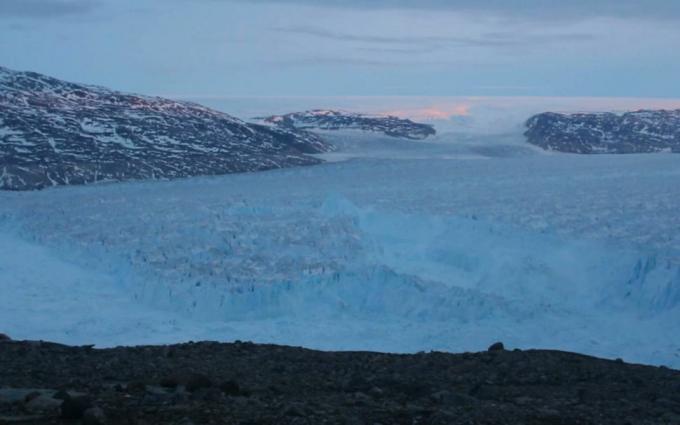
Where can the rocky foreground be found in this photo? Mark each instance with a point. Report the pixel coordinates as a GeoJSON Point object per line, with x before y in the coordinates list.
{"type": "Point", "coordinates": [245, 383]}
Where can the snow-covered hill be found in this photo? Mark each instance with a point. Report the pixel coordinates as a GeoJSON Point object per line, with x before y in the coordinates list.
{"type": "Point", "coordinates": [642, 131]}
{"type": "Point", "coordinates": [54, 132]}
{"type": "Point", "coordinates": [339, 120]}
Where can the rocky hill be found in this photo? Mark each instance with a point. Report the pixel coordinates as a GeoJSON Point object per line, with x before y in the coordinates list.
{"type": "Point", "coordinates": [54, 132]}
{"type": "Point", "coordinates": [633, 132]}
{"type": "Point", "coordinates": [244, 383]}
{"type": "Point", "coordinates": [338, 120]}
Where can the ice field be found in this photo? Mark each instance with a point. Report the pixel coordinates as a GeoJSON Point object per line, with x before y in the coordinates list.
{"type": "Point", "coordinates": [391, 246]}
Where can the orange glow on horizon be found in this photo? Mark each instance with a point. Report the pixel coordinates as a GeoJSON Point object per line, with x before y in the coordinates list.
{"type": "Point", "coordinates": [431, 112]}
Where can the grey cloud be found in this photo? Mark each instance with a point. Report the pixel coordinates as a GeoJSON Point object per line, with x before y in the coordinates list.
{"type": "Point", "coordinates": [361, 61]}
{"type": "Point", "coordinates": [431, 42]}
{"type": "Point", "coordinates": [549, 9]}
{"type": "Point", "coordinates": [44, 8]}
{"type": "Point", "coordinates": [338, 61]}
{"type": "Point", "coordinates": [337, 36]}
{"type": "Point", "coordinates": [397, 50]}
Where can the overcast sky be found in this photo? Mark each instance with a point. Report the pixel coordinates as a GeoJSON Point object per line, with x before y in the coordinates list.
{"type": "Point", "coordinates": [205, 48]}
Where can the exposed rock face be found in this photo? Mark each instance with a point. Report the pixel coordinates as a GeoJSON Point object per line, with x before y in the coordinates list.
{"type": "Point", "coordinates": [267, 384]}
{"type": "Point", "coordinates": [632, 132]}
{"type": "Point", "coordinates": [338, 120]}
{"type": "Point", "coordinates": [54, 132]}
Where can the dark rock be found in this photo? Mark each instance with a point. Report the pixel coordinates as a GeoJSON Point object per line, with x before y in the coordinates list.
{"type": "Point", "coordinates": [75, 407]}
{"type": "Point", "coordinates": [486, 392]}
{"type": "Point", "coordinates": [530, 387]}
{"type": "Point", "coordinates": [582, 395]}
{"type": "Point", "coordinates": [94, 416]}
{"type": "Point", "coordinates": [136, 387]}
{"type": "Point", "coordinates": [4, 337]}
{"type": "Point", "coordinates": [61, 395]}
{"type": "Point", "coordinates": [30, 396]}
{"type": "Point", "coordinates": [441, 418]}
{"type": "Point", "coordinates": [293, 410]}
{"type": "Point", "coordinates": [197, 381]}
{"type": "Point", "coordinates": [356, 383]}
{"type": "Point", "coordinates": [169, 382]}
{"type": "Point", "coordinates": [549, 415]}
{"type": "Point", "coordinates": [360, 399]}
{"type": "Point", "coordinates": [230, 388]}
{"type": "Point", "coordinates": [278, 369]}
{"type": "Point", "coordinates": [376, 392]}
{"type": "Point", "coordinates": [13, 395]}
{"type": "Point", "coordinates": [42, 404]}
{"type": "Point", "coordinates": [460, 399]}
{"type": "Point", "coordinates": [211, 394]}
{"type": "Point", "coordinates": [413, 389]}
{"type": "Point", "coordinates": [179, 397]}
{"type": "Point", "coordinates": [442, 397]}
{"type": "Point", "coordinates": [497, 346]}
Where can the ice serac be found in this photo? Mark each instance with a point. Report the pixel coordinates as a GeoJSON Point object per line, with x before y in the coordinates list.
{"type": "Point", "coordinates": [642, 131]}
{"type": "Point", "coordinates": [54, 132]}
{"type": "Point", "coordinates": [319, 119]}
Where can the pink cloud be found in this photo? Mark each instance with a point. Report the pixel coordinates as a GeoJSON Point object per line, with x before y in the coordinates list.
{"type": "Point", "coordinates": [432, 112]}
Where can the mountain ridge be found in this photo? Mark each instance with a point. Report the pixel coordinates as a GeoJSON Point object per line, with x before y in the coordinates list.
{"type": "Point", "coordinates": [328, 119]}
{"type": "Point", "coordinates": [641, 131]}
{"type": "Point", "coordinates": [54, 132]}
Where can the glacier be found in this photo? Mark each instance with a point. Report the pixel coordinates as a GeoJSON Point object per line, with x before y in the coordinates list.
{"type": "Point", "coordinates": [399, 247]}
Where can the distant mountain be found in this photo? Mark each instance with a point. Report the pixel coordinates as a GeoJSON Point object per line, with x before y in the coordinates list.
{"type": "Point", "coordinates": [339, 120]}
{"type": "Point", "coordinates": [54, 132]}
{"type": "Point", "coordinates": [632, 132]}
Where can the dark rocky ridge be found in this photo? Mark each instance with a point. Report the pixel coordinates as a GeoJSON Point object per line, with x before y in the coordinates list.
{"type": "Point", "coordinates": [338, 120]}
{"type": "Point", "coordinates": [54, 132]}
{"type": "Point", "coordinates": [633, 132]}
{"type": "Point", "coordinates": [244, 383]}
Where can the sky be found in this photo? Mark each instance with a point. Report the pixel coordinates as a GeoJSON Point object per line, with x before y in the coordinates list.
{"type": "Point", "coordinates": [265, 48]}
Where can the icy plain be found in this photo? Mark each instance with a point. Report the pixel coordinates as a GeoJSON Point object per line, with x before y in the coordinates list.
{"type": "Point", "coordinates": [393, 246]}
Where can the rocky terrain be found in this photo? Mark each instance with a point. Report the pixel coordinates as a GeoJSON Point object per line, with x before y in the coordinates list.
{"type": "Point", "coordinates": [339, 120]}
{"type": "Point", "coordinates": [54, 132]}
{"type": "Point", "coordinates": [245, 383]}
{"type": "Point", "coordinates": [632, 132]}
